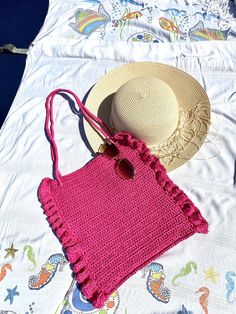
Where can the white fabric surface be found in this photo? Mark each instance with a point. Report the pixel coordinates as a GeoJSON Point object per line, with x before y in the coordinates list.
{"type": "Point", "coordinates": [57, 60]}
{"type": "Point", "coordinates": [175, 20]}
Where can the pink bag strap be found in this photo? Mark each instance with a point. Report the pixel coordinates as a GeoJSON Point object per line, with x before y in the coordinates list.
{"type": "Point", "coordinates": [96, 122]}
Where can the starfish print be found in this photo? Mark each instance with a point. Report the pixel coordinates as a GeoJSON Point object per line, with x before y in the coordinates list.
{"type": "Point", "coordinates": [211, 274]}
{"type": "Point", "coordinates": [11, 294]}
{"type": "Point", "coordinates": [10, 252]}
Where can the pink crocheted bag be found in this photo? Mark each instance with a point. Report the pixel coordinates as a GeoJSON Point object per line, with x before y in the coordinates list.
{"type": "Point", "coordinates": [111, 226]}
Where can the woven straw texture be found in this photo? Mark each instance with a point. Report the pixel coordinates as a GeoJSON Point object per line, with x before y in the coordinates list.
{"type": "Point", "coordinates": [193, 105]}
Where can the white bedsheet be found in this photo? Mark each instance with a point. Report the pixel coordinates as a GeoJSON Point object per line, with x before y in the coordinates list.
{"type": "Point", "coordinates": [206, 262]}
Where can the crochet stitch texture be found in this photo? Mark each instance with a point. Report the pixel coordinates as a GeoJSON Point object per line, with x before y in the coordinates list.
{"type": "Point", "coordinates": [111, 227]}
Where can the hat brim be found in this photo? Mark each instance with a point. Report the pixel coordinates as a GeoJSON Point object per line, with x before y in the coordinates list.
{"type": "Point", "coordinates": [194, 109]}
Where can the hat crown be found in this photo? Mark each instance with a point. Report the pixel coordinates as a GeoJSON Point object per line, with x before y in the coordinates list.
{"type": "Point", "coordinates": [147, 107]}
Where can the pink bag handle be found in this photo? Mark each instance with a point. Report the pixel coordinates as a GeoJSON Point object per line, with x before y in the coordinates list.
{"type": "Point", "coordinates": [49, 123]}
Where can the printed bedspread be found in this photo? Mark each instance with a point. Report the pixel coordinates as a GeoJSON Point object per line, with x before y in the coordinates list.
{"type": "Point", "coordinates": [80, 42]}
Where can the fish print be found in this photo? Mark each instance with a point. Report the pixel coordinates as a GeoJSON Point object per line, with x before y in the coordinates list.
{"type": "Point", "coordinates": [3, 271]}
{"type": "Point", "coordinates": [87, 21]}
{"type": "Point", "coordinates": [30, 255]}
{"type": "Point", "coordinates": [132, 15]}
{"type": "Point", "coordinates": [230, 286]}
{"type": "Point", "coordinates": [199, 14]}
{"type": "Point", "coordinates": [171, 11]}
{"type": "Point", "coordinates": [168, 25]}
{"type": "Point", "coordinates": [94, 2]}
{"type": "Point", "coordinates": [199, 33]}
{"type": "Point", "coordinates": [126, 2]}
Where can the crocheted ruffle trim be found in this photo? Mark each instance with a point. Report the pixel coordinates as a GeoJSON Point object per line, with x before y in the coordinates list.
{"type": "Point", "coordinates": [75, 253]}
{"type": "Point", "coordinates": [168, 186]}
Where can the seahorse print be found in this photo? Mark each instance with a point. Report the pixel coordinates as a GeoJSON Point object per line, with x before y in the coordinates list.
{"type": "Point", "coordinates": [203, 299]}
{"type": "Point", "coordinates": [230, 286]}
{"type": "Point", "coordinates": [190, 266]}
{"type": "Point", "coordinates": [47, 271]}
{"type": "Point", "coordinates": [30, 255]}
{"type": "Point", "coordinates": [3, 271]}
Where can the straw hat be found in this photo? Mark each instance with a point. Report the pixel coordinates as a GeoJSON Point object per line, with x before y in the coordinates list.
{"type": "Point", "coordinates": [160, 104]}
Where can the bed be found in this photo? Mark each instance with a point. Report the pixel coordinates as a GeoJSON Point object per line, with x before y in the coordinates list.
{"type": "Point", "coordinates": [79, 43]}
